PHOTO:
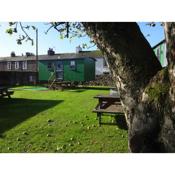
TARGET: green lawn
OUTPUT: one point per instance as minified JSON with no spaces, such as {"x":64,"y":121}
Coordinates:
{"x":57,"y":121}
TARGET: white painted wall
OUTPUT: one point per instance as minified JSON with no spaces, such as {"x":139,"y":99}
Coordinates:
{"x":99,"y":66}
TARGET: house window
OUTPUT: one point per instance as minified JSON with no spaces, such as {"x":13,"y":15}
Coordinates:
{"x":60,"y":66}
{"x":72,"y":65}
{"x":49,"y":66}
{"x":24,"y":65}
{"x":16,"y":65}
{"x":9,"y":65}
{"x":104,"y":63}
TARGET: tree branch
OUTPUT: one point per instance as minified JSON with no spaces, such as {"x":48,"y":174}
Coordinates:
{"x":22,"y":28}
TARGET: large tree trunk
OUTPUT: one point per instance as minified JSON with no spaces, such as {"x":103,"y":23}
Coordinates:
{"x":146,"y":89}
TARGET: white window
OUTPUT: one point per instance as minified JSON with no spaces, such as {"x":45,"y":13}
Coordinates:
{"x":24,"y":65}
{"x":16,"y":65}
{"x":9,"y":65}
{"x":72,"y":65}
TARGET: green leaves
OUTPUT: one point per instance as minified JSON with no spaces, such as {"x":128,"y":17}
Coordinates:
{"x":19,"y":41}
{"x":84,"y":45}
{"x":15,"y":27}
{"x":151,"y":24}
{"x":61,"y":36}
{"x":69,"y":30}
{"x":15,"y":30}
{"x":9,"y":31}
{"x":12,"y":23}
{"x":33,"y":27}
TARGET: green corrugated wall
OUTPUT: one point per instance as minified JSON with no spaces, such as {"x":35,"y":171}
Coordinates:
{"x":44,"y":73}
{"x":161,"y":47}
{"x":74,"y":75}
{"x":89,"y":69}
{"x":84,"y":71}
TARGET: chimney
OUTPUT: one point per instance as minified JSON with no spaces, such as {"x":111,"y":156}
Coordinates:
{"x":51,"y":51}
{"x":13,"y":54}
{"x":78,"y":49}
{"x":29,"y":54}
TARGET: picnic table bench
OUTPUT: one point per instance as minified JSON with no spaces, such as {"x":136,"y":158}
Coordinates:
{"x":4,"y":91}
{"x":108,"y":104}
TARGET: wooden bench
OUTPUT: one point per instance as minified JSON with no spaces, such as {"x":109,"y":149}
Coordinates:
{"x":108,"y":104}
{"x":4,"y":91}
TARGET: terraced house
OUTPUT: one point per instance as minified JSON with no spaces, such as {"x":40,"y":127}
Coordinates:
{"x":78,"y":66}
{"x":18,"y":70}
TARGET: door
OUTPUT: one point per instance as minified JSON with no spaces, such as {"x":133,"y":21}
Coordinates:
{"x":59,"y":70}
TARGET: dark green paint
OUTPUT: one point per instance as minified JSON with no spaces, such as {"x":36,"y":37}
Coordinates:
{"x":161,"y":56}
{"x":74,"y":75}
{"x":84,"y":70}
{"x":44,"y":72}
{"x":89,"y":69}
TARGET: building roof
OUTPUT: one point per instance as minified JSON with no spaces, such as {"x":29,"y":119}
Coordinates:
{"x":60,"y":56}
{"x":163,"y":41}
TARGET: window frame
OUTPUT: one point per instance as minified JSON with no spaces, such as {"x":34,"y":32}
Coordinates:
{"x":72,"y":67}
{"x":9,"y":65}
{"x":24,"y":65}
{"x":16,"y":65}
{"x":49,"y":65}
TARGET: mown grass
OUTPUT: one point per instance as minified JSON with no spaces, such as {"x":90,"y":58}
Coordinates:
{"x":57,"y":121}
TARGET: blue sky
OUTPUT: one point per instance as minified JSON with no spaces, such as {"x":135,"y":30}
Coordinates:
{"x":156,"y":34}
{"x":52,"y":40}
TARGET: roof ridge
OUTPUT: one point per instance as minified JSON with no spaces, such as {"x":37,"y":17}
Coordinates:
{"x":84,"y":54}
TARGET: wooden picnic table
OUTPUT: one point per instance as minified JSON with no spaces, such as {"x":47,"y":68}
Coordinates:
{"x":4,"y":91}
{"x":108,"y":104}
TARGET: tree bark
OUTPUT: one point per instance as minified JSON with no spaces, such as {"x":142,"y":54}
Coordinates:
{"x":168,"y":124}
{"x":143,"y":84}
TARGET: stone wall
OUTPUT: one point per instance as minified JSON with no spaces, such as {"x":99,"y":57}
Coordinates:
{"x":101,"y":80}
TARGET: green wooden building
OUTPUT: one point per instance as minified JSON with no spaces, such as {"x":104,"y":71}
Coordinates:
{"x":160,"y":52}
{"x":73,"y":69}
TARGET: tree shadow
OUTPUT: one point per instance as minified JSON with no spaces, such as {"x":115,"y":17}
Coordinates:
{"x":75,"y":90}
{"x":95,"y":88}
{"x":82,"y":89}
{"x":120,"y":121}
{"x":17,"y":110}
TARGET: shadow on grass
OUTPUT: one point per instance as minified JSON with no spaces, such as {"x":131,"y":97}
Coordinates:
{"x":82,"y":89}
{"x":17,"y":110}
{"x":119,"y":121}
{"x":95,"y":88}
{"x":74,"y":90}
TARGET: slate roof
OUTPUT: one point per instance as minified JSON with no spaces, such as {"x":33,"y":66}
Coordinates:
{"x":60,"y":56}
